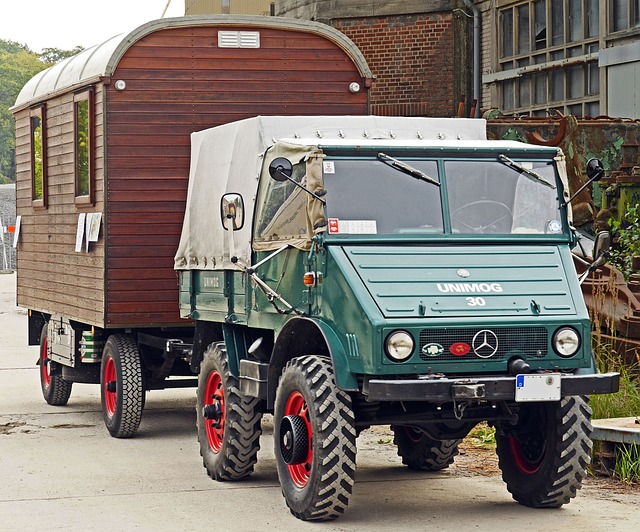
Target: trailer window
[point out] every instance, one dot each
(38, 157)
(83, 147)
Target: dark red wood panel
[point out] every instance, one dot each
(179, 81)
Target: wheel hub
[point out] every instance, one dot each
(212, 412)
(294, 439)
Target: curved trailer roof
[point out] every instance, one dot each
(101, 60)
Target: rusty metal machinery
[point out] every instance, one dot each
(613, 302)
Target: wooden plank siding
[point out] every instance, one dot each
(52, 277)
(177, 81)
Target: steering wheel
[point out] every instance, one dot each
(477, 212)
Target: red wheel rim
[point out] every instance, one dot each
(524, 463)
(214, 393)
(44, 364)
(110, 398)
(413, 435)
(297, 406)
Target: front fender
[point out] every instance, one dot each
(310, 336)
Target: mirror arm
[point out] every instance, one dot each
(594, 178)
(302, 187)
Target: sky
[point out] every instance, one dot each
(65, 24)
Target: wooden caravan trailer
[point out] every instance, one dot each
(103, 150)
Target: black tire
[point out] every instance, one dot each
(318, 486)
(544, 458)
(422, 453)
(55, 390)
(228, 422)
(121, 386)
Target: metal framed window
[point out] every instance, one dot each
(38, 135)
(83, 147)
(624, 15)
(547, 56)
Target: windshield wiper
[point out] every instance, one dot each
(404, 167)
(533, 176)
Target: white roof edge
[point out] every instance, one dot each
(102, 60)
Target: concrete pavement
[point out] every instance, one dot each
(60, 470)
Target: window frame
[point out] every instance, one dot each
(527, 74)
(38, 112)
(89, 198)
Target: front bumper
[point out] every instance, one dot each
(442, 390)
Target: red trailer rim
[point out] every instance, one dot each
(44, 364)
(110, 398)
(297, 406)
(214, 394)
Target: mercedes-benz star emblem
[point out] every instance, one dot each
(463, 273)
(485, 343)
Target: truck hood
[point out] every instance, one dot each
(477, 281)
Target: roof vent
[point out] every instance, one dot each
(239, 39)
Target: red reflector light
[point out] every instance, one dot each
(309, 278)
(459, 349)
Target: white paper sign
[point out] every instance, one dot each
(80, 231)
(16, 235)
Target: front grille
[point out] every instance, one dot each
(442, 344)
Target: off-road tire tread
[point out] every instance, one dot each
(335, 441)
(571, 457)
(242, 428)
(132, 402)
(427, 454)
(59, 389)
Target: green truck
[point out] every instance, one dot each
(344, 272)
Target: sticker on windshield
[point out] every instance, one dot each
(352, 227)
(328, 167)
(554, 226)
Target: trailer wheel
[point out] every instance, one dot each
(315, 440)
(544, 458)
(55, 390)
(420, 452)
(228, 422)
(121, 386)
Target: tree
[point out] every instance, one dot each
(54, 55)
(18, 64)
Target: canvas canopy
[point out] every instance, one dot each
(234, 159)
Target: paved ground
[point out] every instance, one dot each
(7, 217)
(60, 470)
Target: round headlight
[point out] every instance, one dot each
(566, 341)
(399, 346)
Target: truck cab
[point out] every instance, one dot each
(394, 271)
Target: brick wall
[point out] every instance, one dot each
(412, 57)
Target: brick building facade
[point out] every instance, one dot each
(419, 50)
(412, 58)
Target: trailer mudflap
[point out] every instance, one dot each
(444, 389)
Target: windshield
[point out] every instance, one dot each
(371, 197)
(489, 197)
(485, 196)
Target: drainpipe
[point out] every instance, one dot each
(476, 54)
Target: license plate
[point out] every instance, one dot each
(544, 387)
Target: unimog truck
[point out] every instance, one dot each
(344, 272)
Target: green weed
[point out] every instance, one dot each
(627, 463)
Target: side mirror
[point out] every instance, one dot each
(601, 245)
(281, 169)
(232, 212)
(594, 170)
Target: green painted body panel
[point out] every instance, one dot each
(362, 325)
(369, 291)
(465, 281)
